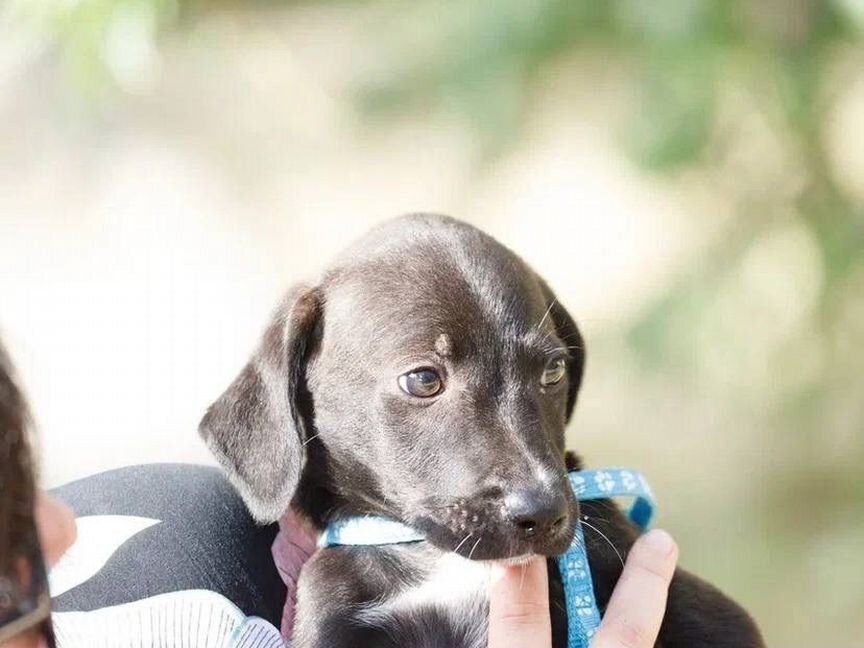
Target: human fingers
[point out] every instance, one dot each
(519, 606)
(638, 603)
(26, 640)
(55, 523)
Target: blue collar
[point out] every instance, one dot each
(583, 616)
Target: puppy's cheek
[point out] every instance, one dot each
(483, 543)
(457, 526)
(462, 517)
(470, 532)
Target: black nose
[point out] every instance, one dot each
(536, 513)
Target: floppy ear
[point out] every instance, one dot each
(257, 427)
(569, 333)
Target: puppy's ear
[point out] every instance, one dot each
(569, 333)
(258, 426)
(572, 461)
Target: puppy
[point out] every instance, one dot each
(428, 377)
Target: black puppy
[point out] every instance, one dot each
(428, 377)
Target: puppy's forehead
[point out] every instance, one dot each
(413, 304)
(436, 293)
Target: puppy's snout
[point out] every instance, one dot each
(536, 513)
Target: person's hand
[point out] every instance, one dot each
(519, 606)
(55, 523)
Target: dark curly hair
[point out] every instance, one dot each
(17, 490)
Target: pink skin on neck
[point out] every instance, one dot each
(293, 546)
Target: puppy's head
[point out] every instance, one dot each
(428, 377)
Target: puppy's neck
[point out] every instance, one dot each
(322, 498)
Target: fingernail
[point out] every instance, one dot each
(660, 541)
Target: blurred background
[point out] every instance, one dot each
(688, 175)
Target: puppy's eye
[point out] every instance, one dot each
(553, 372)
(422, 383)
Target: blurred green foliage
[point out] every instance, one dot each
(85, 31)
(485, 57)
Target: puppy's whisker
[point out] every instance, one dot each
(608, 541)
(461, 542)
(522, 577)
(607, 504)
(568, 347)
(313, 437)
(561, 348)
(471, 553)
(564, 338)
(546, 314)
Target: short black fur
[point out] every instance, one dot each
(317, 420)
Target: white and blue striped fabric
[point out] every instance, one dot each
(194, 618)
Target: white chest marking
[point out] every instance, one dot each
(456, 587)
(453, 578)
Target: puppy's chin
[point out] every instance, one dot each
(515, 561)
(492, 543)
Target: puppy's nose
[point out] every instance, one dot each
(536, 513)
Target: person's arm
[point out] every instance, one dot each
(519, 606)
